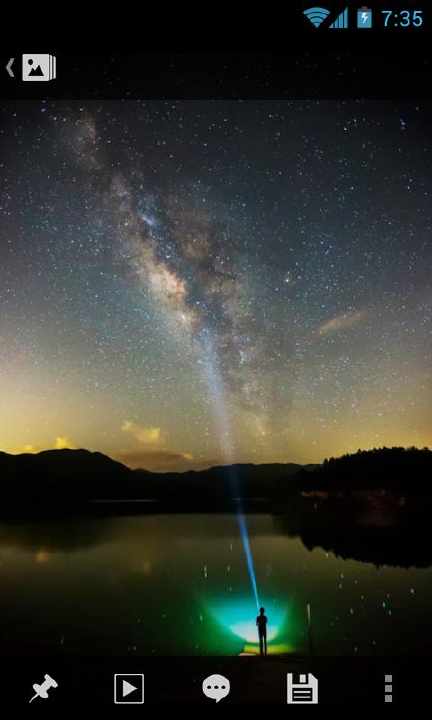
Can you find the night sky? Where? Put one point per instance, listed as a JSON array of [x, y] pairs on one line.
[[185, 284]]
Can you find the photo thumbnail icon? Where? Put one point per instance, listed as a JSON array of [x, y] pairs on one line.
[[39, 68]]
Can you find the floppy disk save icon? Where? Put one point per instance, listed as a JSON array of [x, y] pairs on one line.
[[303, 692]]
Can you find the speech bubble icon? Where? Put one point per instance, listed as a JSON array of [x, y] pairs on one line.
[[216, 687]]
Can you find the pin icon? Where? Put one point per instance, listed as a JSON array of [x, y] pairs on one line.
[[42, 690]]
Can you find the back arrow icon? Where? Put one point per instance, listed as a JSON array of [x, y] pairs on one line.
[[9, 67]]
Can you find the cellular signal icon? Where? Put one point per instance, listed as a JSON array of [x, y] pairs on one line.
[[316, 15], [341, 22]]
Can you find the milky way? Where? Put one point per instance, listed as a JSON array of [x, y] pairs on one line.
[[186, 255], [186, 283]]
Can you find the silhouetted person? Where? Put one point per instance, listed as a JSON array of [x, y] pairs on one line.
[[261, 622]]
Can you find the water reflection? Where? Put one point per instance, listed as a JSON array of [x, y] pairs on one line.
[[178, 584], [66, 535]]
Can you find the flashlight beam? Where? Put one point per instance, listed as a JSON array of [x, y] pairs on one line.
[[216, 388], [248, 552]]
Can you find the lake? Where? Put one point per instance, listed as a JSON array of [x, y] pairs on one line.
[[179, 585]]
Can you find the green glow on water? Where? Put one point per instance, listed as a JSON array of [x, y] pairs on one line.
[[237, 619]]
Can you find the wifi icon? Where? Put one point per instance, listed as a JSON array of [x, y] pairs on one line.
[[316, 15]]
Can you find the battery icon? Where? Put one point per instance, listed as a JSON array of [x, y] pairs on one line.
[[364, 18]]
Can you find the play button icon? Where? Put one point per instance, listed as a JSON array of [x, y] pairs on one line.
[[128, 689]]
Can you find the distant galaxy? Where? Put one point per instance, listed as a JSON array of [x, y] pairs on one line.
[[190, 283]]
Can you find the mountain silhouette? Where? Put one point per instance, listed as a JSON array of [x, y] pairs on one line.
[[54, 476], [66, 477], [373, 506]]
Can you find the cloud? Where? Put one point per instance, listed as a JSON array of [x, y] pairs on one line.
[[342, 322], [62, 442], [27, 449], [144, 435], [152, 455], [160, 460]]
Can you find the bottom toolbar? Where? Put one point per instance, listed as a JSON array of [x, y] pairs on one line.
[[242, 680]]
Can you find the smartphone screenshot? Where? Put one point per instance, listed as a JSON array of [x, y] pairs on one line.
[[216, 368]]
